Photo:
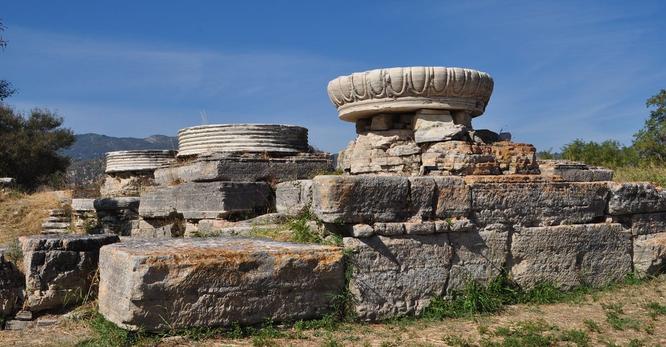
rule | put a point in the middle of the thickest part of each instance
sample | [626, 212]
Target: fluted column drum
[252, 138]
[139, 160]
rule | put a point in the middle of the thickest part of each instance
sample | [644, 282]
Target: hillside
[92, 146]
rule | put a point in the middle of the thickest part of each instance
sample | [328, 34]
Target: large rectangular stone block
[239, 169]
[478, 256]
[650, 254]
[59, 269]
[180, 283]
[394, 276]
[293, 197]
[207, 200]
[632, 197]
[644, 223]
[571, 255]
[535, 201]
[360, 199]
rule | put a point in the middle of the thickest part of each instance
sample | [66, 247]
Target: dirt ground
[618, 317]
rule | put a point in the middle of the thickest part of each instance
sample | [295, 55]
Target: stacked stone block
[226, 171]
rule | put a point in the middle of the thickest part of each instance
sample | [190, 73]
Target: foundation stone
[180, 283]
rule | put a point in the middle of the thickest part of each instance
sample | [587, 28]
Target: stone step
[55, 225]
[56, 212]
[58, 219]
[55, 231]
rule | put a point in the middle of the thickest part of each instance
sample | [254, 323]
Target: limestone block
[83, 205]
[478, 256]
[650, 254]
[390, 151]
[382, 122]
[362, 230]
[159, 228]
[11, 287]
[436, 125]
[362, 199]
[203, 200]
[245, 168]
[532, 200]
[573, 171]
[460, 158]
[571, 255]
[293, 197]
[400, 275]
[408, 89]
[644, 223]
[452, 197]
[126, 184]
[389, 229]
[422, 197]
[516, 158]
[117, 215]
[59, 269]
[632, 197]
[206, 282]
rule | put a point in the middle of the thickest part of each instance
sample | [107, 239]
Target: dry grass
[654, 174]
[23, 214]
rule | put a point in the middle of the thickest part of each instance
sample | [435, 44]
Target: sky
[563, 69]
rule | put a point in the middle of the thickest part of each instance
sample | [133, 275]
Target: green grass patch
[656, 309]
[618, 320]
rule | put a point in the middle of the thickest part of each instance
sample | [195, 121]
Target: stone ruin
[424, 205]
[129, 173]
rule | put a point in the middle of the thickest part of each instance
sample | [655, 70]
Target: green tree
[650, 142]
[29, 146]
[6, 89]
[609, 153]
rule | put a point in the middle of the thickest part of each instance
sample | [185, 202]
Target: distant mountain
[93, 146]
[87, 153]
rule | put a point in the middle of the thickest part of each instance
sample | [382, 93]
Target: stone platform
[129, 173]
[245, 167]
[179, 283]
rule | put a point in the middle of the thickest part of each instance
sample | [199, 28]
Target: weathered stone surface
[515, 158]
[205, 200]
[84, 205]
[382, 122]
[393, 276]
[532, 200]
[247, 167]
[118, 215]
[650, 254]
[362, 230]
[126, 184]
[573, 171]
[437, 125]
[459, 158]
[390, 151]
[644, 223]
[166, 227]
[59, 269]
[367, 93]
[360, 199]
[478, 256]
[293, 197]
[254, 138]
[453, 197]
[484, 136]
[11, 287]
[571, 255]
[630, 198]
[180, 283]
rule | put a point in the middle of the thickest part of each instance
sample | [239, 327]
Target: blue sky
[563, 69]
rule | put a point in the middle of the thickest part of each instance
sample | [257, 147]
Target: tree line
[30, 143]
[647, 149]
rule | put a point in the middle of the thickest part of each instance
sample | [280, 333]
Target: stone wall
[416, 238]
